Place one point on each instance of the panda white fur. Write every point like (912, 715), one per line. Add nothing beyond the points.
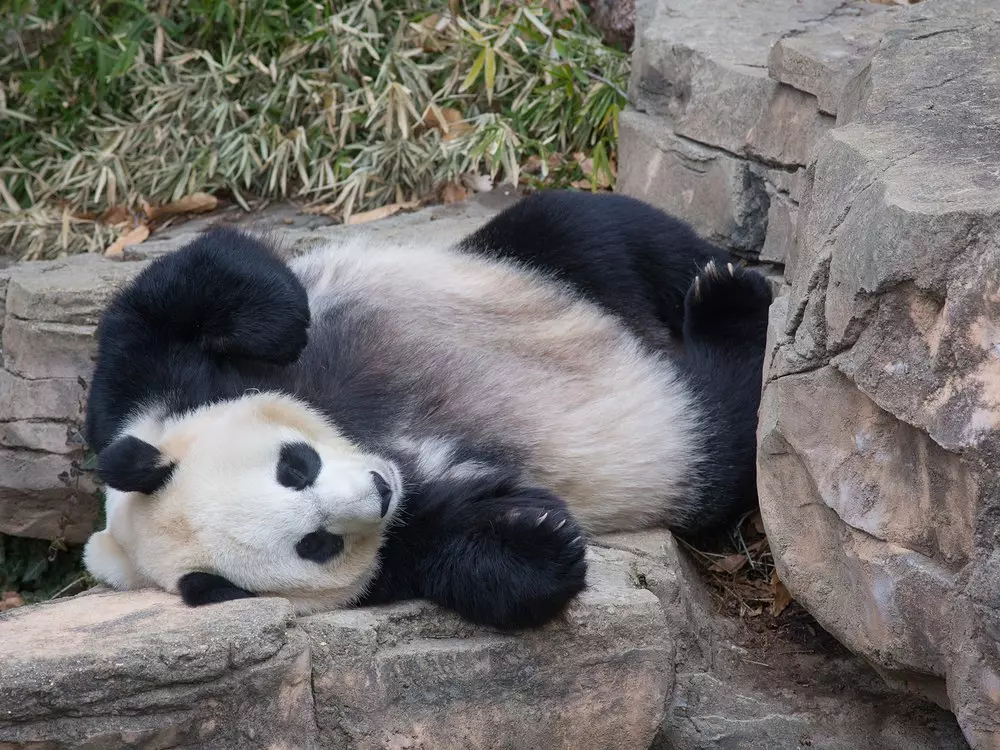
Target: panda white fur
(374, 423)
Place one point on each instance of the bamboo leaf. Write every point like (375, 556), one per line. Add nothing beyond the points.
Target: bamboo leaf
(490, 72)
(468, 28)
(477, 67)
(355, 106)
(536, 22)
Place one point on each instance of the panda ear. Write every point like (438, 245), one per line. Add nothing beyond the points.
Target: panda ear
(133, 465)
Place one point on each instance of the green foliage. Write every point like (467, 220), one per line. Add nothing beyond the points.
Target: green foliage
(105, 103)
(39, 569)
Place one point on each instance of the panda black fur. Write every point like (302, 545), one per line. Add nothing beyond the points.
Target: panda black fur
(367, 425)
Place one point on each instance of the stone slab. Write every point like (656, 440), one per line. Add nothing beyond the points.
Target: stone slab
(35, 471)
(823, 63)
(137, 669)
(722, 197)
(41, 398)
(34, 349)
(143, 671)
(46, 496)
(890, 325)
(412, 676)
(294, 232)
(49, 437)
(704, 64)
(70, 290)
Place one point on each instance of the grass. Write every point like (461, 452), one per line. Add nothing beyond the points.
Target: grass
(39, 570)
(341, 106)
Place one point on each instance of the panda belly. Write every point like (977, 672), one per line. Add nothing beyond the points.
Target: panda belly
(437, 354)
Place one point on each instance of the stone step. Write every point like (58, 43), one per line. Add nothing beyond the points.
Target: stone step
(141, 670)
(641, 660)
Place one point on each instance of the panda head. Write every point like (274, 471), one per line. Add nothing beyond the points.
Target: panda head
(254, 496)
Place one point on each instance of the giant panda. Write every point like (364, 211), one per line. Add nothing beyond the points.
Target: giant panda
(374, 422)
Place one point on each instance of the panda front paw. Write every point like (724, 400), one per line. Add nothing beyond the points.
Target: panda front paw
(225, 291)
(518, 561)
(727, 303)
(544, 565)
(551, 535)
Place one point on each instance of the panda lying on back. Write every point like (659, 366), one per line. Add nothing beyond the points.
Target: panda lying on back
(371, 424)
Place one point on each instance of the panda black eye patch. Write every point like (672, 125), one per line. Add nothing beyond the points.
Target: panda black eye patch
(298, 466)
(320, 546)
(198, 589)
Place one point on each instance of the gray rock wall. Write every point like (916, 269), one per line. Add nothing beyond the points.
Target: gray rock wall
(724, 120)
(50, 312)
(859, 148)
(879, 425)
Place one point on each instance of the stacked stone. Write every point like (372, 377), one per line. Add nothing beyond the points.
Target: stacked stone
(47, 325)
(728, 103)
(855, 149)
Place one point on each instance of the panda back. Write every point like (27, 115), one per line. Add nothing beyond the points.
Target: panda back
(431, 347)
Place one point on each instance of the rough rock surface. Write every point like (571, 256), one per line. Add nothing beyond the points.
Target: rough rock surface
(725, 113)
(409, 676)
(879, 440)
(734, 690)
(854, 146)
(615, 19)
(106, 670)
(142, 671)
(724, 198)
(48, 315)
(639, 661)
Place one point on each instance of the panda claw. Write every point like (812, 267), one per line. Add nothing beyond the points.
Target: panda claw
(560, 524)
(730, 267)
(541, 519)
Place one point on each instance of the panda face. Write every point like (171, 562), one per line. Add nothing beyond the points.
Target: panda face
(261, 492)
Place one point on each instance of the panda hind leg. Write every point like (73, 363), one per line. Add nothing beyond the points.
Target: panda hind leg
(725, 331)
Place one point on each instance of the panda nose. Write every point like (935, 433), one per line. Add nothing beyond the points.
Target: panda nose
(384, 491)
